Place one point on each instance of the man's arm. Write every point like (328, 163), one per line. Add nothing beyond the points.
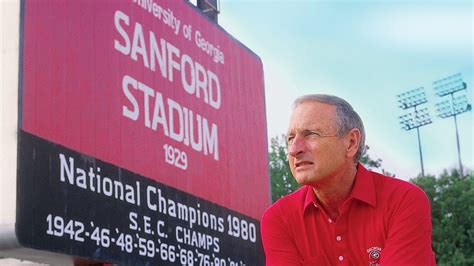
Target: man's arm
(409, 234)
(279, 247)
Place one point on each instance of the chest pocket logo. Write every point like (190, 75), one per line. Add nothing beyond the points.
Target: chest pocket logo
(374, 255)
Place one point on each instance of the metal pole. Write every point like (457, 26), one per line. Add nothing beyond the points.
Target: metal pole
(457, 137)
(459, 147)
(421, 154)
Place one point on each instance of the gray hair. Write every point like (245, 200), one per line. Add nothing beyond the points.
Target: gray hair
(346, 117)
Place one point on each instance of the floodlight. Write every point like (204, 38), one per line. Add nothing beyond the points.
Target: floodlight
(412, 98)
(449, 85)
(454, 106)
(417, 118)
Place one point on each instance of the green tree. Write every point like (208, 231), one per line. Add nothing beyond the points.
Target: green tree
(369, 162)
(452, 213)
(282, 181)
(372, 164)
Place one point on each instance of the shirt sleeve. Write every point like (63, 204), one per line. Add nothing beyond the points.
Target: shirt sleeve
(279, 247)
(409, 233)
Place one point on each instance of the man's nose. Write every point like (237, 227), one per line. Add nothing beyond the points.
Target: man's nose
(297, 146)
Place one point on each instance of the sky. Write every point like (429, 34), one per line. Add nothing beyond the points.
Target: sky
(366, 52)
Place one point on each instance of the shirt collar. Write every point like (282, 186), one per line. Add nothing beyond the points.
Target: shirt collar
(310, 198)
(363, 190)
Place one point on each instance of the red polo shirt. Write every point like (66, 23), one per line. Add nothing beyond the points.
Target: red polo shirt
(385, 221)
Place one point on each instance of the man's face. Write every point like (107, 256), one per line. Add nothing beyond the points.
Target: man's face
(315, 153)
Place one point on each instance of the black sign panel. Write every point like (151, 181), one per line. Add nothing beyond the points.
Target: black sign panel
(75, 204)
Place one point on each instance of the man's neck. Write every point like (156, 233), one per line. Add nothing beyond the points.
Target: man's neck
(332, 195)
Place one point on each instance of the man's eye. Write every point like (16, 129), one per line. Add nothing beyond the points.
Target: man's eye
(312, 133)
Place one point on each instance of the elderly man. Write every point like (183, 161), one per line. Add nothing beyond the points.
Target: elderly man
(343, 214)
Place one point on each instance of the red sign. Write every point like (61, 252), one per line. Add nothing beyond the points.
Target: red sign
(152, 87)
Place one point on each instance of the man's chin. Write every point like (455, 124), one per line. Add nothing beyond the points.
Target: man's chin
(302, 180)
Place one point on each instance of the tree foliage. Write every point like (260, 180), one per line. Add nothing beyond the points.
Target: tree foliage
(452, 214)
(282, 182)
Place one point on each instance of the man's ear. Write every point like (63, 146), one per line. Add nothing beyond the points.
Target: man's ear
(352, 142)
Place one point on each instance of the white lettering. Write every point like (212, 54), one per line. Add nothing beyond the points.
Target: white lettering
(178, 136)
(132, 114)
(210, 140)
(195, 79)
(95, 183)
(138, 45)
(179, 123)
(123, 48)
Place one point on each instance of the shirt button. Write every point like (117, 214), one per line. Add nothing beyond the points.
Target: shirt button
(341, 258)
(330, 221)
(338, 238)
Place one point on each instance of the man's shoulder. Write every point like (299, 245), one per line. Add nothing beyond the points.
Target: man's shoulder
(392, 187)
(391, 182)
(294, 199)
(289, 204)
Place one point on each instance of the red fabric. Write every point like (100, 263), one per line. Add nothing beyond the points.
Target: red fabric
(385, 221)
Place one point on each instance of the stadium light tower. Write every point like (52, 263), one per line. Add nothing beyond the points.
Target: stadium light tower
(454, 105)
(416, 118)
